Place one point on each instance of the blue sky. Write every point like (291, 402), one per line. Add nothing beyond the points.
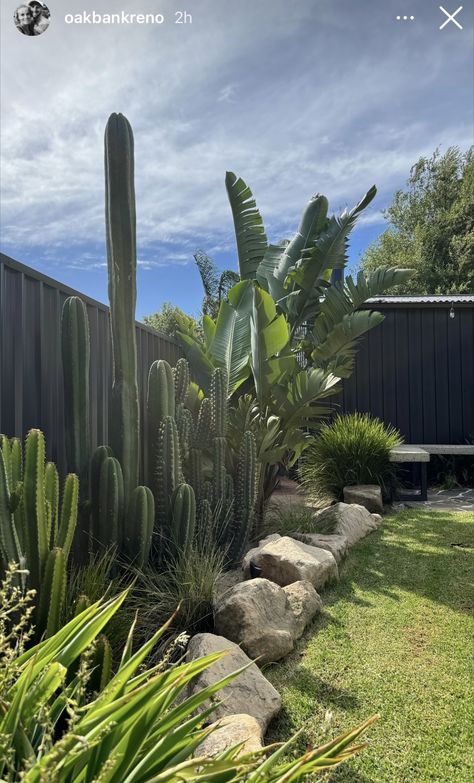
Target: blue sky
(296, 97)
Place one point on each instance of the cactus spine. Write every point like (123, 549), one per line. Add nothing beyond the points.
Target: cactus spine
(75, 344)
(122, 264)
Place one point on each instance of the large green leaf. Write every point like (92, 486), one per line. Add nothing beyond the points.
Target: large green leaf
(248, 223)
(269, 335)
(230, 347)
(312, 223)
(337, 352)
(375, 284)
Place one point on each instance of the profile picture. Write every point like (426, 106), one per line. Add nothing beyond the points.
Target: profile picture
(32, 18)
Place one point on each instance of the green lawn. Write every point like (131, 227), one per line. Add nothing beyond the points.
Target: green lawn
(395, 637)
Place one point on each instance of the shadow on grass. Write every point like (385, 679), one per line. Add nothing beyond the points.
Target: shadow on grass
(424, 552)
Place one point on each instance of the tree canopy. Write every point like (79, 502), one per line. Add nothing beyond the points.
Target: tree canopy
(170, 319)
(431, 227)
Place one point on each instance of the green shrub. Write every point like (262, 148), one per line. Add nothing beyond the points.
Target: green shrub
(352, 449)
(140, 728)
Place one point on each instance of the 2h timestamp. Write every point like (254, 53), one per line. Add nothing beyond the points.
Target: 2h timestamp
(183, 17)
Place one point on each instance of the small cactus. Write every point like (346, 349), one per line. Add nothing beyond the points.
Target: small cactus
(111, 503)
(181, 381)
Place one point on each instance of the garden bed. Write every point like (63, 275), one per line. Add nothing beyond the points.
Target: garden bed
(395, 637)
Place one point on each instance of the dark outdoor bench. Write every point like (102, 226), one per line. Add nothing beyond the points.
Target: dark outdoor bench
(422, 453)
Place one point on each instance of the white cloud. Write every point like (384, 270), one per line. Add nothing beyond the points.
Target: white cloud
(293, 99)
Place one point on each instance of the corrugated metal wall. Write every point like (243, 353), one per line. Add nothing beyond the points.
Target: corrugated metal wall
(31, 383)
(416, 371)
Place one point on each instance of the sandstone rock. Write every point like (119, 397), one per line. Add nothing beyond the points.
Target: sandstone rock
(249, 693)
(349, 520)
(305, 603)
(229, 731)
(227, 580)
(264, 618)
(367, 495)
(335, 544)
(285, 560)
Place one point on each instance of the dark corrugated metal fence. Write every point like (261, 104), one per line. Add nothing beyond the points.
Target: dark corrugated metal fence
(31, 383)
(416, 371)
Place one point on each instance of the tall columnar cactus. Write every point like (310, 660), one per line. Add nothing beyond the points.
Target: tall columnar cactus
(181, 380)
(245, 498)
(168, 474)
(53, 592)
(111, 504)
(36, 529)
(138, 526)
(219, 402)
(203, 432)
(10, 547)
(183, 521)
(122, 264)
(160, 402)
(37, 536)
(75, 344)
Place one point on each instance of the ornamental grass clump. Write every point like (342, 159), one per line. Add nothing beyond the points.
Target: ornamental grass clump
(353, 449)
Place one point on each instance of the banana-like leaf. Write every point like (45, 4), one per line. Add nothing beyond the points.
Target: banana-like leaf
(377, 283)
(269, 335)
(312, 224)
(249, 230)
(196, 354)
(297, 402)
(329, 252)
(337, 352)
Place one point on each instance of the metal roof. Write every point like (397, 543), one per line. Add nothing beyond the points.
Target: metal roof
(410, 301)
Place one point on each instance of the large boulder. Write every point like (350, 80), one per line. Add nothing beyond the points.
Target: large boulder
(229, 731)
(367, 495)
(336, 545)
(349, 520)
(284, 560)
(304, 602)
(249, 693)
(265, 618)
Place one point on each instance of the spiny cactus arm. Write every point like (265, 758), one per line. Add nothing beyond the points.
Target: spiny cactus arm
(51, 493)
(202, 434)
(219, 402)
(181, 380)
(102, 663)
(68, 519)
(110, 503)
(35, 507)
(168, 472)
(52, 593)
(219, 471)
(100, 454)
(160, 403)
(75, 345)
(245, 499)
(122, 264)
(138, 526)
(9, 541)
(183, 520)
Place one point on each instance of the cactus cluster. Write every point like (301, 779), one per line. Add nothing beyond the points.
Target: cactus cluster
(191, 475)
(190, 468)
(36, 529)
